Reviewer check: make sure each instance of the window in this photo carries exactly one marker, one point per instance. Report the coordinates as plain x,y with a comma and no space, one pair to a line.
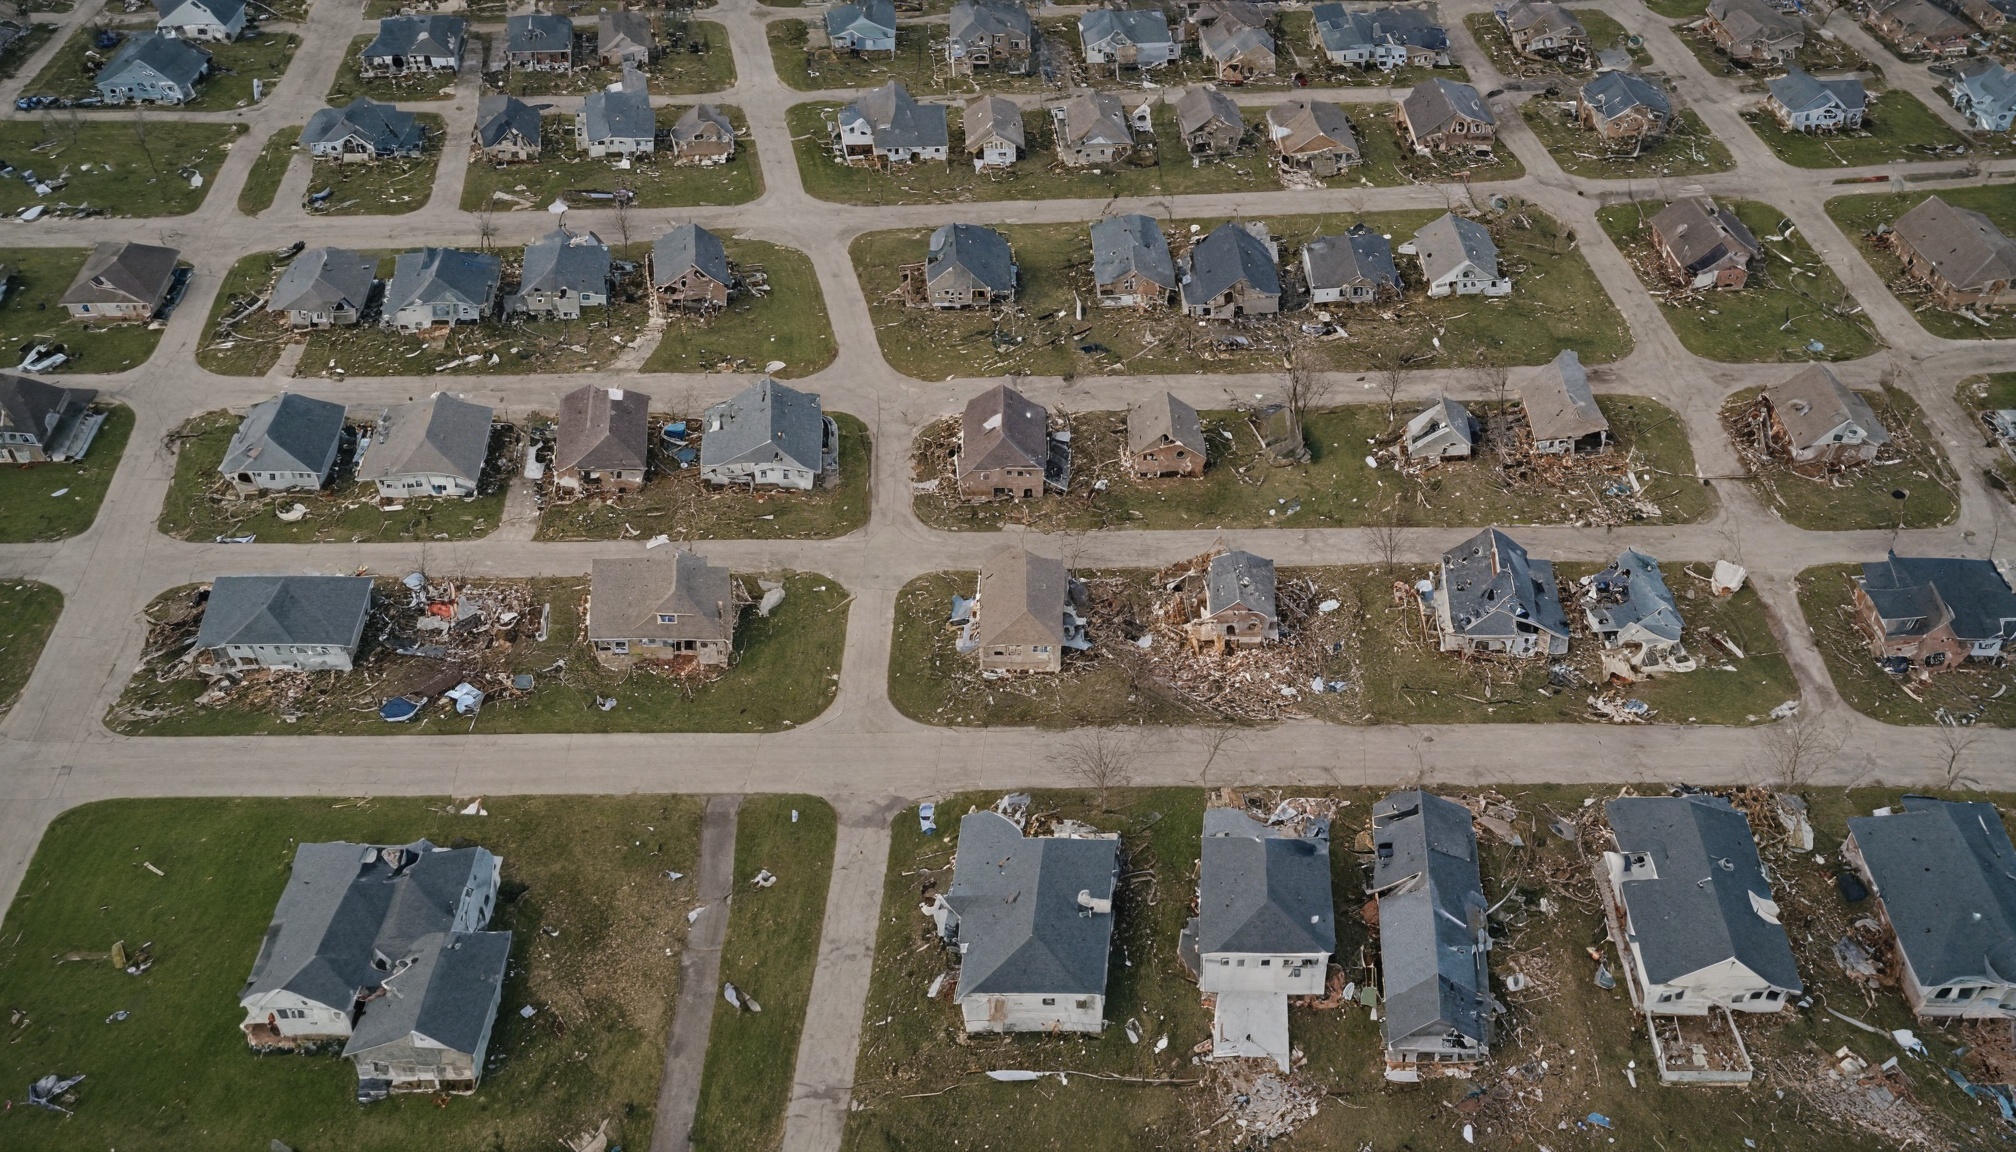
1966,993
1242,963
1943,994
1269,963
1049,1001
668,617
1773,995
1081,1004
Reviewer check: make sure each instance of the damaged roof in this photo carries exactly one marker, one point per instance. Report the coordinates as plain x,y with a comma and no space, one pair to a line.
1262,888
765,422
1002,428
1448,242
1700,233
1359,257
1223,259
324,279
1021,926
992,118
1303,125
1022,598
437,37
1612,94
499,115
1965,248
1942,869
685,248
1095,118
1558,402
443,275
123,273
629,595
1492,588
1165,418
897,121
603,429
980,251
37,407
1813,404
288,433
1131,244
1431,916
1972,594
564,260
446,996
259,610
1647,602
1239,579
1200,108
1436,103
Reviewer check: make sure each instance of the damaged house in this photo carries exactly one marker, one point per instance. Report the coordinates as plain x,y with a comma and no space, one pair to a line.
1629,606
409,44
886,126
295,623
1492,597
994,133
152,69
624,38
363,131
1803,103
45,422
1434,941
1623,106
1165,438
1355,268
1920,27
1703,244
1958,253
989,33
539,42
1238,607
770,436
1561,411
1459,257
1940,872
288,442
618,121
507,129
1313,136
1445,430
564,271
869,26
323,287
604,440
1264,931
1131,264
1032,920
1004,446
1754,31
673,608
1127,37
1447,116
431,447
1385,38
221,20
1231,273
965,266
121,281
1209,122
690,271
1092,128
702,135
1541,30
1930,614
384,948
436,287
1816,419
1026,610
1238,51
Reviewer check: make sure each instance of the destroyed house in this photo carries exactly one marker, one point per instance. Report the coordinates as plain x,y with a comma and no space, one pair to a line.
1940,872
1027,609
1230,273
323,287
1313,135
690,270
1561,411
1959,253
887,126
619,121
1239,608
1434,942
1131,264
1935,613
1754,31
1985,93
1920,26
1817,419
406,44
603,441
770,436
623,38
287,442
1628,605
431,447
1458,257
1265,927
1165,438
993,129
1445,430
1210,122
1622,106
121,281
507,128
539,42
1492,597
1447,116
221,20
1032,920
1385,38
297,623
440,286
1544,30
1238,52
363,130
1092,128
1126,37
563,272
383,948
869,26
1704,244
1355,268
661,608
983,33
968,266
1698,918
152,69
1804,103
41,421
1004,445
702,135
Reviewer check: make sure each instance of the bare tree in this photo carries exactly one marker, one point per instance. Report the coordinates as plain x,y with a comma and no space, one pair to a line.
1303,390
486,227
140,137
1391,379
623,220
1387,533
1796,749
1951,744
1101,759
1214,737
1494,381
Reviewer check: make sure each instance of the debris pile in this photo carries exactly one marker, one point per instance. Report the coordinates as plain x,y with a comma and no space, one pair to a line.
1252,1104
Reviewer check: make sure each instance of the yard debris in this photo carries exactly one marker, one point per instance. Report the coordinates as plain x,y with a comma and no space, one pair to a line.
763,878
695,913
596,1139
1728,578
149,865
52,1091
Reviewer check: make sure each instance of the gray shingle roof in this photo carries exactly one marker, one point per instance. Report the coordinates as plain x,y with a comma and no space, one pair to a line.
1492,587
285,610
897,120
1127,25
438,275
1131,243
33,406
1800,92
1239,578
1814,402
620,115
1968,250
174,59
1558,402
1360,256
1022,598
447,995
1263,889
1435,103
1165,416
1002,428
1701,233
1342,30
1974,592
383,126
622,31
981,251
1648,602
432,36
1445,243
224,11
1944,871
699,120
765,422
320,279
442,435
686,247
603,428
978,19
498,115
628,594
1020,925
877,17
1093,118
122,273
1700,910
538,32
1303,124
564,259
1228,40
1746,19
992,118
1444,413
1543,16
1612,94
288,433
1224,258
1201,107
1431,909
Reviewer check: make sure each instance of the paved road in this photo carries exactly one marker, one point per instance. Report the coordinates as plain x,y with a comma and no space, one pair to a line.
55,752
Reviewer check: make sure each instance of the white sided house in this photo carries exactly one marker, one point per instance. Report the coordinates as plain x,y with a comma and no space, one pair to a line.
296,623
431,447
1434,939
219,20
770,436
1458,257
287,442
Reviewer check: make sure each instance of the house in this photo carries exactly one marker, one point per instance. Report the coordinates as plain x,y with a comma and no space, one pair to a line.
690,270
539,42
564,271
1959,253
363,131
431,447
1383,38
1935,613
1231,273
288,442
1754,31
1131,265
1165,438
676,608
1126,37
983,33
121,281
770,436
435,286
1816,419
323,288
1355,268
1092,129
1494,598
618,121
1917,27
382,947
1210,122
702,135
410,44
1027,609
604,440
966,266
1940,872
294,623
1985,93
152,69
1445,430
1004,446
869,26
1312,135
220,20
1629,606
1699,924
1543,30
1032,920
1623,106
1447,116
886,126
1804,103
44,422
1265,928
507,128
1458,256
1704,245
1238,608
1987,15
1434,938
1237,51
994,133
1561,411
623,38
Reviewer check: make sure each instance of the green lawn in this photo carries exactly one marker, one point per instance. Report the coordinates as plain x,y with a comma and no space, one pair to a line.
563,169
769,955
676,72
31,508
1490,35
262,183
1982,394
786,671
1866,497
911,64
1898,128
1556,302
233,68
37,280
1678,9
1605,32
1788,284
24,49
596,937
28,613
256,341
788,324
381,187
144,180
676,502
1858,216
1976,690
349,85
1689,149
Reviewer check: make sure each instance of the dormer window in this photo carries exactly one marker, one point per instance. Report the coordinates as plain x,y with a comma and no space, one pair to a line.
668,617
